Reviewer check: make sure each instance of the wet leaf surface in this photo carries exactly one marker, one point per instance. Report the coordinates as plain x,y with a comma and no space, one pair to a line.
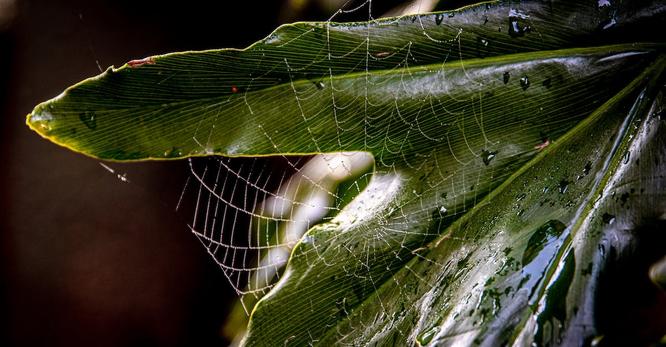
518,148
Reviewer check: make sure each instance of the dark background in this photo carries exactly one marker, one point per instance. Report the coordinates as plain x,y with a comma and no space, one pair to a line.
86,259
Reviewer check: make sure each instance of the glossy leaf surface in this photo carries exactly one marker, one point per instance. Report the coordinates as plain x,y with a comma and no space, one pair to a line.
500,134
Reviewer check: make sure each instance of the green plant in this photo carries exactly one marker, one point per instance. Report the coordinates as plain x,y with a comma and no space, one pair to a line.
519,148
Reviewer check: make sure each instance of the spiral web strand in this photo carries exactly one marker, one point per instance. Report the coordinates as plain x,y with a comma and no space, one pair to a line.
250,212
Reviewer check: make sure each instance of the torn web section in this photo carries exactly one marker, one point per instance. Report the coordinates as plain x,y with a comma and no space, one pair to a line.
250,212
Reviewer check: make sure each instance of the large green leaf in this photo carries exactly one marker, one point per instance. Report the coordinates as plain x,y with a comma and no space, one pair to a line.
523,264
499,133
168,106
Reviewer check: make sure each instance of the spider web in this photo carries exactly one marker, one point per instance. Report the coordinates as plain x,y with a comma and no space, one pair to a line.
250,212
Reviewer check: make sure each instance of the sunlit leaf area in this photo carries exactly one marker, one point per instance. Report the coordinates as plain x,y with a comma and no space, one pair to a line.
360,173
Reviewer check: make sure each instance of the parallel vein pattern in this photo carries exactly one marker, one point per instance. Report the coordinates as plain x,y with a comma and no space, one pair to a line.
424,120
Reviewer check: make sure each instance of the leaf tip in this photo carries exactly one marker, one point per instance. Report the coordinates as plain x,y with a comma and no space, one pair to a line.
47,123
40,120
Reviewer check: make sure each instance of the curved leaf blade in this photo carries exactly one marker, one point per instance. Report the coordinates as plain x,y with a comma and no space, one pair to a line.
542,247
429,97
181,104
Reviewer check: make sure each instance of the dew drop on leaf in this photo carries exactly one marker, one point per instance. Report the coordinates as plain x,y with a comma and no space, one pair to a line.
564,185
587,168
439,18
608,218
506,77
488,156
624,197
88,118
516,26
524,82
174,152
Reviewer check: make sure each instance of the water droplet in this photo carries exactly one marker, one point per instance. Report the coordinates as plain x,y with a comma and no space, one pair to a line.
452,14
596,341
439,18
603,3
442,211
626,158
608,218
320,85
88,118
488,156
517,27
425,338
481,46
174,152
521,196
524,82
514,28
506,77
624,197
547,82
41,119
587,168
272,39
564,185
545,234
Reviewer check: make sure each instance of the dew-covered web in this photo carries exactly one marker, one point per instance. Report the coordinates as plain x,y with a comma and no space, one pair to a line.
250,212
